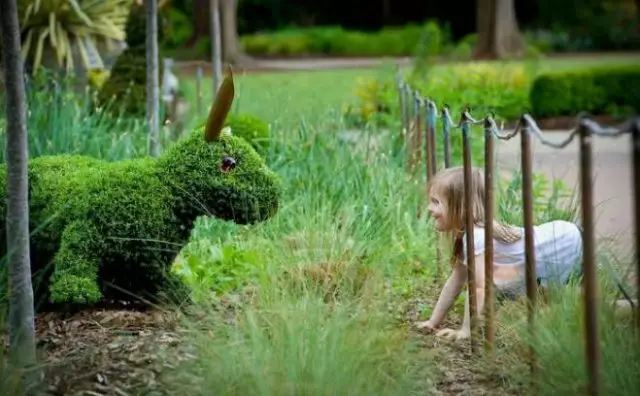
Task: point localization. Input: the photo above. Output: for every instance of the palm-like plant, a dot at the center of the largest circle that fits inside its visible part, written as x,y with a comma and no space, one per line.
57,26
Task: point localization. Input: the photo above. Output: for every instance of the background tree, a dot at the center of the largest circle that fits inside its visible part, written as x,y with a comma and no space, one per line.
231,50
21,310
499,36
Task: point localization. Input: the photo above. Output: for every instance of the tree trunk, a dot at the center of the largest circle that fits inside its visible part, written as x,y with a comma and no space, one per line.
386,11
499,36
200,22
231,51
216,50
153,89
21,310
484,22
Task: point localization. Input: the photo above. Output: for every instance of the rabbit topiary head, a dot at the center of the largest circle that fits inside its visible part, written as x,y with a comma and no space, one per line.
214,173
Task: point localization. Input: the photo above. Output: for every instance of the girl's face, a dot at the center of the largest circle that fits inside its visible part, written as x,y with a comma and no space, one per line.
436,210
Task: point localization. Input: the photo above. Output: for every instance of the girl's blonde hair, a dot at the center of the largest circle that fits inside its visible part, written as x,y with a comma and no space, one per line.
449,186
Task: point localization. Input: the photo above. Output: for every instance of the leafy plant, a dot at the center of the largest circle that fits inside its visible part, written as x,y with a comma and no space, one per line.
55,27
374,96
217,269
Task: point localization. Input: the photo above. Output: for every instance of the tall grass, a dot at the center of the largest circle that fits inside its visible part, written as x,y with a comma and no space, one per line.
305,303
63,119
303,346
317,324
558,342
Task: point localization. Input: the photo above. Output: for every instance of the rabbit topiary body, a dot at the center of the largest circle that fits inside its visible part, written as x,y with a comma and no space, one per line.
104,224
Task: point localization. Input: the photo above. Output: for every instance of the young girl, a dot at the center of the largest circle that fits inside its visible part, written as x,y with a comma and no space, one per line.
557,245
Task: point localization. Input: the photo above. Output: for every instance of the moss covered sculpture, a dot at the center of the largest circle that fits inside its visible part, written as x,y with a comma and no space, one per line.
251,128
126,87
113,226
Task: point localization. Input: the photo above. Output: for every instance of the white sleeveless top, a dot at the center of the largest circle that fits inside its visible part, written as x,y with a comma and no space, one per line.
557,247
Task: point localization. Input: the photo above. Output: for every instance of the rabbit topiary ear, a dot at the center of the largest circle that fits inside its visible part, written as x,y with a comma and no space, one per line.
220,108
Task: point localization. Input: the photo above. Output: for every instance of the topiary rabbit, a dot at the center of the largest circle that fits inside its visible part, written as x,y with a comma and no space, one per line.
122,223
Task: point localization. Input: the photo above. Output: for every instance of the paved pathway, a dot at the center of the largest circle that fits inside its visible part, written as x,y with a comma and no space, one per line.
299,64
613,187
326,63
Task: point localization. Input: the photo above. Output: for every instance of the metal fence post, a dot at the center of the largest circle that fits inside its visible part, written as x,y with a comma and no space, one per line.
416,134
402,109
527,206
589,279
432,164
432,157
635,144
446,127
465,123
408,94
489,303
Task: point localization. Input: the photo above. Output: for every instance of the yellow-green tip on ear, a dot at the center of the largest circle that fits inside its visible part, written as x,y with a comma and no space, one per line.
220,108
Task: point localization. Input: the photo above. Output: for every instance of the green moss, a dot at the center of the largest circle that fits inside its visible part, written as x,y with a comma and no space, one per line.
126,87
248,194
594,90
113,229
251,128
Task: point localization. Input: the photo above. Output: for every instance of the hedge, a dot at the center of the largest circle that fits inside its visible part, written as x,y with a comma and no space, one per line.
595,90
428,38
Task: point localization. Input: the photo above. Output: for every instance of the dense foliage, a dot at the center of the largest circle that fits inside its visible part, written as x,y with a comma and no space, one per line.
105,224
286,27
251,128
126,85
318,300
601,90
507,89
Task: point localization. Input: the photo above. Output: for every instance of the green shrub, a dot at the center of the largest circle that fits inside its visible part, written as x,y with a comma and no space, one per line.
136,29
216,261
179,28
126,86
593,90
122,223
251,128
334,40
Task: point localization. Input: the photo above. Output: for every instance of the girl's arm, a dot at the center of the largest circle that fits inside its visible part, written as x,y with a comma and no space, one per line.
450,291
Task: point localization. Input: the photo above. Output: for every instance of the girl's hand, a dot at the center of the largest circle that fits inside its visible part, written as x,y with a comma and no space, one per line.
455,334
427,325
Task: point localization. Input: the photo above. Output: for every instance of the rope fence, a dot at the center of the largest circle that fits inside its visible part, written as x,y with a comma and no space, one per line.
419,113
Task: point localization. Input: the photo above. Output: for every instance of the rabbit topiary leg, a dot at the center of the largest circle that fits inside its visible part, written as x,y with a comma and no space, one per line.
76,265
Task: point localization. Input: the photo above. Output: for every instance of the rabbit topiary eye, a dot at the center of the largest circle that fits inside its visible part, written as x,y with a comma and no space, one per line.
227,164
